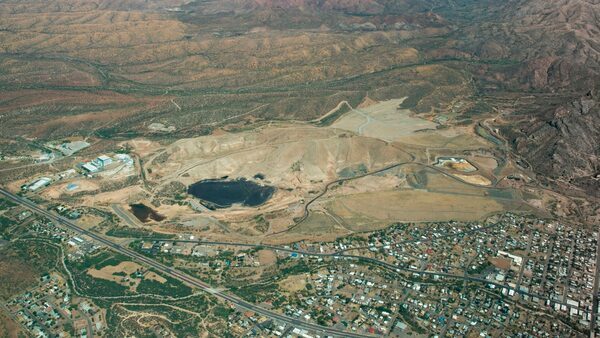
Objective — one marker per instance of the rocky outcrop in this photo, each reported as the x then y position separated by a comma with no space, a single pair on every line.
564,142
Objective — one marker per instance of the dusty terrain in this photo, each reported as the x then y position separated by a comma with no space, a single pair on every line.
386,177
8,327
306,93
375,210
121,274
300,160
383,120
289,156
475,179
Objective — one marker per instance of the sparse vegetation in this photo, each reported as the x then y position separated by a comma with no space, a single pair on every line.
22,263
125,232
171,287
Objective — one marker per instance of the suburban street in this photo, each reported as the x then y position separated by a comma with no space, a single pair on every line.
249,306
175,273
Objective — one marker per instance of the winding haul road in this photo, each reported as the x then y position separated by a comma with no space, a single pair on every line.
322,330
377,171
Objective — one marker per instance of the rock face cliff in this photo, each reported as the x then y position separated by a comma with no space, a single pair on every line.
563,143
557,46
508,48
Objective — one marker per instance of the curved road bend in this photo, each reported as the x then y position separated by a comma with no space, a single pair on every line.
178,274
377,171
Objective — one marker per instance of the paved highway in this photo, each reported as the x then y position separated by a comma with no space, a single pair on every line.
322,330
388,266
249,306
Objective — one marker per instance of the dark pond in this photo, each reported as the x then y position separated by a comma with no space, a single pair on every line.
222,193
144,213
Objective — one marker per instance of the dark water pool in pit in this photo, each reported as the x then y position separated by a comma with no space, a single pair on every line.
224,193
144,213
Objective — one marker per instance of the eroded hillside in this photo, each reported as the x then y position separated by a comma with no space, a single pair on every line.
172,69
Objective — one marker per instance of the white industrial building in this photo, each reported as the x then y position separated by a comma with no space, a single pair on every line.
102,161
89,167
40,183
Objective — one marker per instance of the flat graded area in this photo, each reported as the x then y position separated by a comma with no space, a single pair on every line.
77,186
293,284
475,179
485,163
383,120
378,209
117,273
319,223
267,257
124,195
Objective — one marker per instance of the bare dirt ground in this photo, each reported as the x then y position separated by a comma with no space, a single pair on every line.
455,138
83,185
120,196
371,184
155,277
143,147
89,221
267,257
293,284
367,210
501,263
172,211
475,179
8,327
108,273
319,222
486,163
383,120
